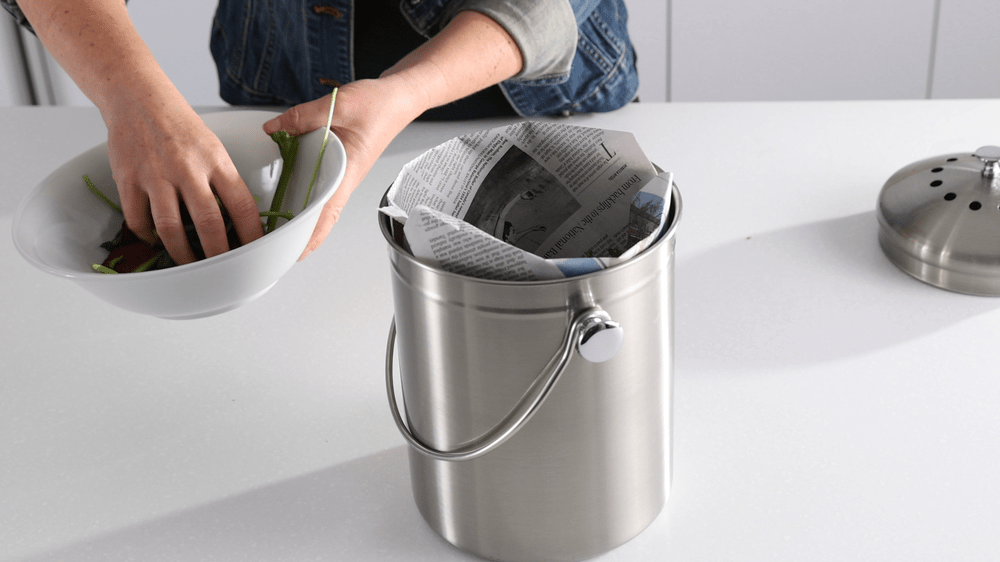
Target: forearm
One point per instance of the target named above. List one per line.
(471, 53)
(95, 42)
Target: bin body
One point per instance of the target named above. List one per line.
(591, 468)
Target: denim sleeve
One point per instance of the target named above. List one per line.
(545, 31)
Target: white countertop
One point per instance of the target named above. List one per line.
(827, 406)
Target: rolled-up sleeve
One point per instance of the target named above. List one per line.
(545, 31)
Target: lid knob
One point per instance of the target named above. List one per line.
(990, 155)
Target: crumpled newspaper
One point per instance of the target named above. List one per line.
(532, 201)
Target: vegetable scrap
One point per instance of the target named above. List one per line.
(127, 253)
(288, 147)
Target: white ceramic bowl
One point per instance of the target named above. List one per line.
(60, 225)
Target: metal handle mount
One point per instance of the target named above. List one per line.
(990, 155)
(591, 333)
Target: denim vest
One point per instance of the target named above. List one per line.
(286, 52)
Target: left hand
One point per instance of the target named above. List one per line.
(367, 115)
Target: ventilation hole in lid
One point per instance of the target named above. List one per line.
(936, 183)
(975, 205)
(936, 170)
(952, 159)
(949, 196)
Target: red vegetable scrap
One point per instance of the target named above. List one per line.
(128, 252)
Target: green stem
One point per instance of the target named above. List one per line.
(148, 263)
(103, 269)
(322, 148)
(288, 146)
(279, 214)
(98, 193)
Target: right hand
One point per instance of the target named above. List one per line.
(161, 154)
(368, 114)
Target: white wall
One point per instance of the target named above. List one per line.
(789, 49)
(967, 57)
(648, 23)
(773, 50)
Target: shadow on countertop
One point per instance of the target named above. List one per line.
(359, 510)
(804, 295)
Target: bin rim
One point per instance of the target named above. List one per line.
(673, 216)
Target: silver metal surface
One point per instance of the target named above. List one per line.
(600, 337)
(990, 155)
(590, 322)
(591, 468)
(939, 221)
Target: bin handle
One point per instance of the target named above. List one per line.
(584, 326)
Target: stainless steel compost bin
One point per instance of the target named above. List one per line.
(538, 413)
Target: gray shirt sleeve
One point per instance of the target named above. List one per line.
(544, 30)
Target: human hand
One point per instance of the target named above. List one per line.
(162, 154)
(368, 114)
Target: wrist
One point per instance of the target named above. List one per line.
(149, 96)
(409, 91)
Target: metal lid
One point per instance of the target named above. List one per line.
(939, 221)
